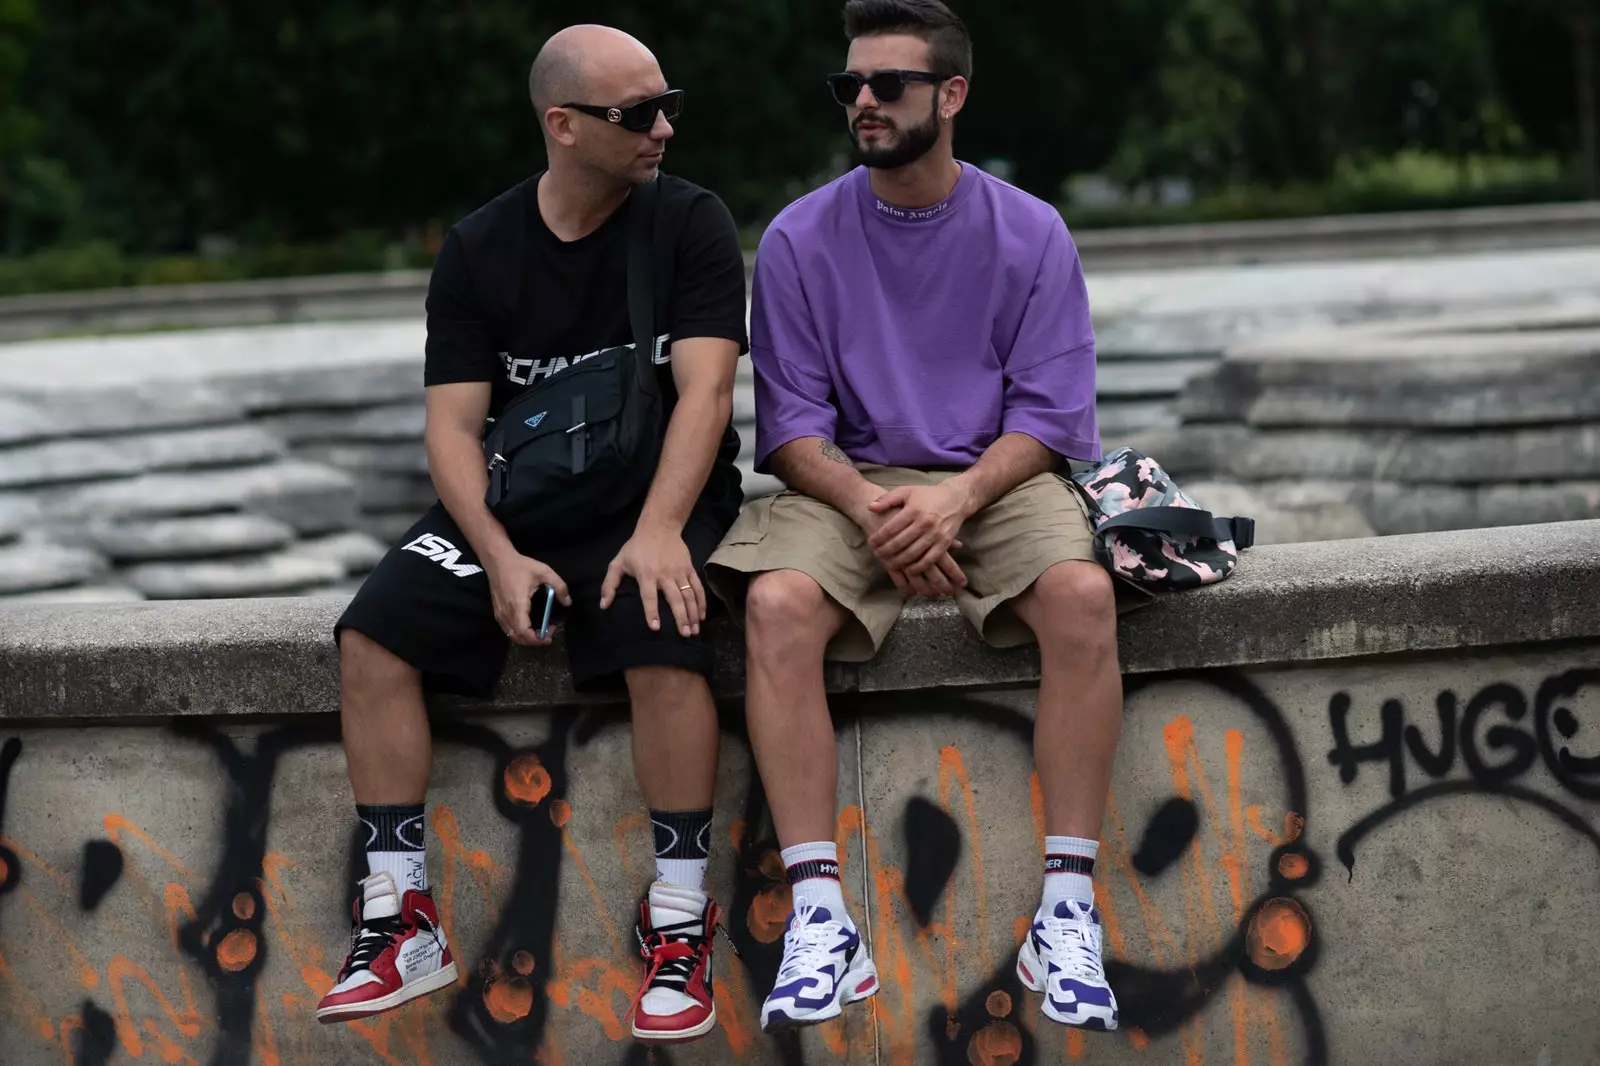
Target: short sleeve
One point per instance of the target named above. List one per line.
(460, 345)
(708, 297)
(1050, 370)
(794, 391)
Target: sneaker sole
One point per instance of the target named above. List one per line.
(352, 1011)
(851, 990)
(1026, 958)
(679, 1036)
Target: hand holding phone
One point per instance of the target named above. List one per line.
(549, 605)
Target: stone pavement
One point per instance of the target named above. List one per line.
(221, 462)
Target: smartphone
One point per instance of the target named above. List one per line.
(549, 605)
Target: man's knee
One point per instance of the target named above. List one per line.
(367, 667)
(786, 607)
(1074, 600)
(651, 687)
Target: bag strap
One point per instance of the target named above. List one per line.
(1184, 522)
(641, 278)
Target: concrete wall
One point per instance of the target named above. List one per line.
(1353, 816)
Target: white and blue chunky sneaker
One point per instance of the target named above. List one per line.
(1061, 958)
(825, 966)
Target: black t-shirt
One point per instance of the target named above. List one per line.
(511, 303)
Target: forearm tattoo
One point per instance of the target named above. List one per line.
(832, 451)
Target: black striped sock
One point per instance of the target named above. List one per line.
(683, 846)
(396, 839)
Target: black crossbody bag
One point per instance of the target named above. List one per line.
(582, 445)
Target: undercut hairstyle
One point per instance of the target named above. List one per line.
(949, 43)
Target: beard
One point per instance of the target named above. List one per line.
(912, 144)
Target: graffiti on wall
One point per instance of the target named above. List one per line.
(1494, 757)
(1205, 897)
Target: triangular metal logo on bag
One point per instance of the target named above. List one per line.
(533, 422)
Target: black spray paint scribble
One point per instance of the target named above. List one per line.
(1494, 754)
(1156, 1001)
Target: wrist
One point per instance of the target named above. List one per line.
(961, 491)
(655, 523)
(858, 507)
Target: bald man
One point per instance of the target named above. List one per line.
(530, 284)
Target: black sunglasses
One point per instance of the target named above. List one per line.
(887, 85)
(639, 117)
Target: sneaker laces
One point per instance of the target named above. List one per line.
(1075, 947)
(370, 939)
(673, 952)
(808, 946)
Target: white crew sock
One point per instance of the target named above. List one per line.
(813, 871)
(1068, 870)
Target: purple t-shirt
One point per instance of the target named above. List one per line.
(919, 338)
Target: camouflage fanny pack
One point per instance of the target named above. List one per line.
(1149, 532)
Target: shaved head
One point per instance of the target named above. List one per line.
(564, 70)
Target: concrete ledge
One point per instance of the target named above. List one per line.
(1287, 604)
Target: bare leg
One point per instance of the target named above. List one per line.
(789, 621)
(387, 743)
(674, 737)
(1072, 611)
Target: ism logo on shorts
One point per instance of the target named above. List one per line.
(444, 553)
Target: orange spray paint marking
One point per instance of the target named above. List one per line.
(951, 767)
(1252, 816)
(769, 912)
(177, 907)
(1155, 929)
(116, 824)
(237, 950)
(594, 895)
(244, 906)
(1137, 1038)
(33, 1011)
(522, 962)
(728, 994)
(508, 1000)
(736, 835)
(1074, 1042)
(1293, 825)
(998, 1004)
(620, 832)
(303, 949)
(118, 972)
(560, 813)
(87, 977)
(772, 866)
(170, 1053)
(1036, 805)
(269, 1044)
(1293, 865)
(833, 1038)
(1279, 934)
(413, 1026)
(39, 864)
(1019, 929)
(70, 1024)
(1267, 1011)
(1233, 860)
(996, 1044)
(527, 781)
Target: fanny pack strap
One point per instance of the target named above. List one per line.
(641, 279)
(1184, 522)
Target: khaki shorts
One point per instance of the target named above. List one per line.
(1005, 547)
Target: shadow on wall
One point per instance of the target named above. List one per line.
(503, 1011)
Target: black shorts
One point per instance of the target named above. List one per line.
(432, 607)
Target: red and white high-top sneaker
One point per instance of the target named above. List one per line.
(397, 953)
(675, 1001)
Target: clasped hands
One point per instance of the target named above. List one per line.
(912, 530)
